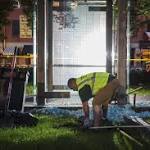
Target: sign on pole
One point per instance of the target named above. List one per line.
(25, 31)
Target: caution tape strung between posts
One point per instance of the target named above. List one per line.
(10, 56)
(140, 59)
(137, 59)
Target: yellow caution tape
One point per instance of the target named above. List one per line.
(138, 59)
(18, 56)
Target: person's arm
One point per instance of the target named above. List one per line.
(85, 94)
(85, 109)
(86, 123)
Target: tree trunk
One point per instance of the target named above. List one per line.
(122, 42)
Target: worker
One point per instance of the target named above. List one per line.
(101, 86)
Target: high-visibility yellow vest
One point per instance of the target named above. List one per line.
(96, 81)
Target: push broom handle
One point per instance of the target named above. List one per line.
(13, 64)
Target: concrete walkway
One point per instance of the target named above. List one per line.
(74, 101)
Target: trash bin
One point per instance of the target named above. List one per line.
(3, 89)
(19, 82)
(136, 77)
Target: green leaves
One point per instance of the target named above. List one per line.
(5, 8)
(138, 8)
(28, 9)
(144, 7)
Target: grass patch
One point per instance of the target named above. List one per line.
(54, 133)
(142, 92)
(30, 89)
(147, 120)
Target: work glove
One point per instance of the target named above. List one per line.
(87, 123)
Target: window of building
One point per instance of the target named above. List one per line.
(15, 28)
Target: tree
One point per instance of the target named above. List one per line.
(28, 8)
(138, 8)
(5, 8)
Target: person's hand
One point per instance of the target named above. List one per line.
(86, 123)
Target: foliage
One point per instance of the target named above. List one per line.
(30, 89)
(142, 92)
(143, 7)
(28, 8)
(5, 8)
(138, 8)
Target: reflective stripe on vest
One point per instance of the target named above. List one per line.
(96, 81)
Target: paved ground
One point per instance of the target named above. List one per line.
(141, 101)
(74, 101)
(115, 113)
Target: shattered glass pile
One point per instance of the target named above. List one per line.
(115, 113)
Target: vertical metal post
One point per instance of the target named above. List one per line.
(50, 45)
(128, 43)
(109, 36)
(34, 49)
(134, 101)
(40, 52)
(49, 39)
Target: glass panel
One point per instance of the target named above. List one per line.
(79, 43)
